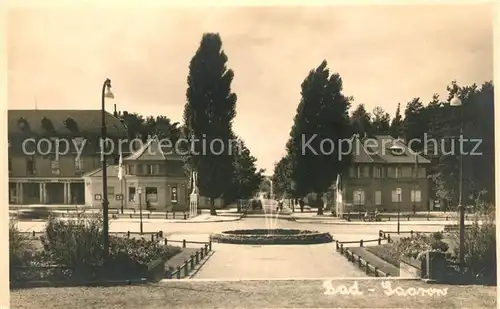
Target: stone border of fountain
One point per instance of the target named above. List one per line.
(275, 237)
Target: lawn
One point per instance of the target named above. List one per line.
(251, 294)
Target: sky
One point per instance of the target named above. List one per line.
(59, 58)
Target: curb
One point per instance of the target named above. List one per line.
(55, 284)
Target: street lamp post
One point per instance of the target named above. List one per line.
(139, 191)
(456, 102)
(106, 93)
(398, 192)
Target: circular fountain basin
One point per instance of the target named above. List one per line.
(272, 237)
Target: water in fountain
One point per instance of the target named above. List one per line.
(271, 214)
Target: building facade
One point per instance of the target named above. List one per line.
(50, 150)
(385, 175)
(152, 176)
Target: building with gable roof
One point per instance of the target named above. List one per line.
(37, 175)
(382, 167)
(155, 168)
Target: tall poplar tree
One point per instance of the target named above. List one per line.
(208, 115)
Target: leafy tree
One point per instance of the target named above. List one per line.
(414, 123)
(381, 121)
(247, 178)
(322, 119)
(361, 121)
(282, 177)
(208, 115)
(397, 124)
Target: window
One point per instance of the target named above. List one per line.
(30, 166)
(153, 169)
(393, 172)
(54, 165)
(131, 194)
(152, 194)
(416, 196)
(377, 172)
(406, 172)
(397, 195)
(378, 197)
(422, 173)
(359, 197)
(364, 171)
(111, 193)
(353, 172)
(131, 169)
(78, 164)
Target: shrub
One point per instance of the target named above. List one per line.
(480, 250)
(78, 245)
(21, 251)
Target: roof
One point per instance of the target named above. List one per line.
(378, 149)
(154, 150)
(111, 169)
(85, 122)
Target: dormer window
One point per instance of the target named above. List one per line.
(47, 125)
(71, 125)
(397, 150)
(23, 124)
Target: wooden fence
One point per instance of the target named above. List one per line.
(189, 264)
(360, 262)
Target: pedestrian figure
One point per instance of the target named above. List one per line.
(301, 204)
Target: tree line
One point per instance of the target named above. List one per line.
(323, 111)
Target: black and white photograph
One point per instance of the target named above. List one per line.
(250, 156)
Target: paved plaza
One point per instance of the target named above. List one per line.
(229, 261)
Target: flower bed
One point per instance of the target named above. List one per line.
(272, 237)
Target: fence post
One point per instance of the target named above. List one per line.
(34, 234)
(186, 268)
(178, 272)
(408, 218)
(160, 234)
(337, 245)
(342, 248)
(411, 233)
(210, 245)
(152, 237)
(376, 272)
(128, 234)
(183, 243)
(379, 241)
(168, 273)
(201, 254)
(389, 238)
(206, 249)
(166, 214)
(367, 268)
(185, 217)
(149, 216)
(197, 257)
(166, 241)
(361, 243)
(192, 261)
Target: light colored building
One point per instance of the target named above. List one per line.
(385, 175)
(157, 173)
(36, 174)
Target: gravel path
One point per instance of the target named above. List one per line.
(251, 294)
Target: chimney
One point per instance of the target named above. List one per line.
(115, 113)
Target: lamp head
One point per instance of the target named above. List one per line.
(455, 101)
(139, 190)
(108, 94)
